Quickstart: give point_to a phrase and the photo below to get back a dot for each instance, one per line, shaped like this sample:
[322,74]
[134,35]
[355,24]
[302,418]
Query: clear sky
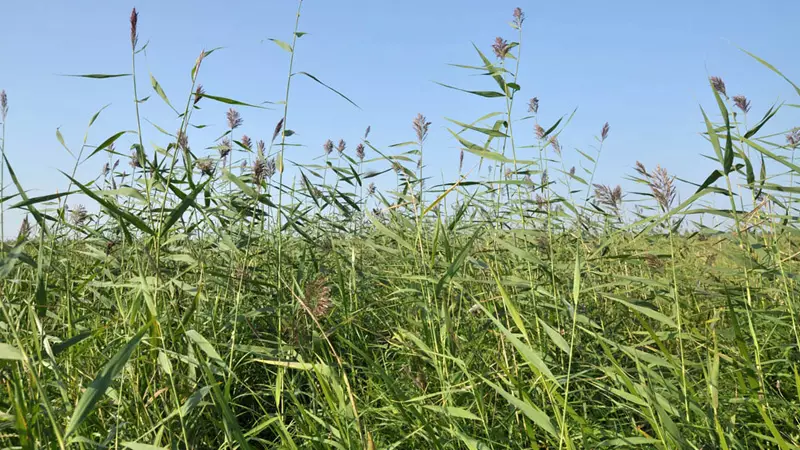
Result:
[640,65]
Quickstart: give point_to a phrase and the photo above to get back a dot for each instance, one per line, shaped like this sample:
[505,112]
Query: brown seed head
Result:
[278,128]
[183,141]
[604,132]
[78,215]
[259,171]
[519,17]
[555,144]
[793,138]
[198,93]
[261,147]
[24,230]
[234,119]
[206,166]
[371,189]
[461,160]
[420,125]
[742,103]
[328,147]
[246,142]
[134,28]
[661,184]
[539,131]
[500,47]
[318,297]
[3,104]
[360,153]
[533,105]
[718,85]
[366,133]
[224,148]
[341,147]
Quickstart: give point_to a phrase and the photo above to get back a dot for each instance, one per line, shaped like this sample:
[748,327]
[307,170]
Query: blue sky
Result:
[640,65]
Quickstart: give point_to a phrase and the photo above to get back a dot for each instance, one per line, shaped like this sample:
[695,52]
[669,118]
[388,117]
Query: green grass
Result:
[275,306]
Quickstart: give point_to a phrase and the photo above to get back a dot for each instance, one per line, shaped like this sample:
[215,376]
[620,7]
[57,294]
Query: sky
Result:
[642,66]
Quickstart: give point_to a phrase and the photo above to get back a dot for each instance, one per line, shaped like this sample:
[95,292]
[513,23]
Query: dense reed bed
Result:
[232,299]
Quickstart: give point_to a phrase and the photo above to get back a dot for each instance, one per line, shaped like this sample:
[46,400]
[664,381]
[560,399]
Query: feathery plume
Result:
[3,104]
[259,171]
[198,93]
[519,17]
[234,119]
[718,85]
[793,138]
[261,147]
[604,132]
[183,141]
[366,133]
[539,131]
[572,171]
[555,144]
[461,160]
[501,47]
[421,125]
[742,103]
[271,168]
[533,105]
[661,184]
[224,148]
[246,142]
[341,147]
[328,147]
[371,189]
[134,162]
[318,297]
[360,152]
[24,230]
[134,28]
[608,196]
[205,165]
[278,128]
[78,215]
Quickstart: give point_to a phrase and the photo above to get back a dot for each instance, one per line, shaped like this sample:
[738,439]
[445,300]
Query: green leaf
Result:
[283,45]
[536,415]
[98,76]
[60,138]
[487,94]
[138,446]
[555,336]
[332,89]
[9,353]
[230,101]
[182,207]
[205,346]
[453,411]
[160,92]
[107,143]
[95,391]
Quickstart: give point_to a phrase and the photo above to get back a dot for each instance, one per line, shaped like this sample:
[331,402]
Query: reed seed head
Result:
[134,162]
[509,173]
[183,141]
[234,119]
[793,138]
[366,132]
[206,166]
[247,142]
[24,230]
[261,148]
[555,144]
[341,147]
[718,85]
[519,17]
[3,104]
[278,129]
[259,171]
[134,28]
[742,103]
[500,47]
[78,215]
[604,132]
[224,148]
[318,297]
[661,184]
[641,170]
[360,153]
[328,147]
[106,169]
[371,189]
[271,168]
[461,160]
[572,171]
[539,131]
[533,105]
[198,93]
[420,125]
[608,196]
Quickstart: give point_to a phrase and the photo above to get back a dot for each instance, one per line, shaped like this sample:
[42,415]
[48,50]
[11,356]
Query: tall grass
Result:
[209,305]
